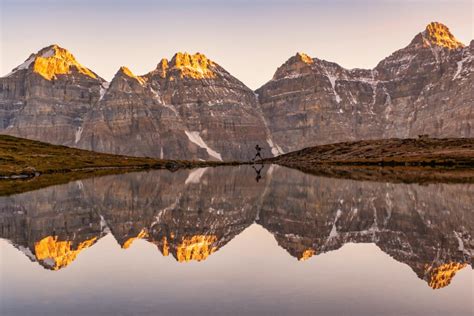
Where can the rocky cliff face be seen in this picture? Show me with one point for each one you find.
(187, 108)
(190, 214)
(47, 97)
(130, 119)
(424, 88)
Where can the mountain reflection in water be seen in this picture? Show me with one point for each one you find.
(191, 214)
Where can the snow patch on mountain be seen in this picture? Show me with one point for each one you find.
(276, 150)
(103, 89)
(332, 80)
(459, 69)
(195, 138)
(78, 135)
(25, 65)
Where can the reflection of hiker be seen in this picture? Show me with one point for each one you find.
(258, 171)
(258, 149)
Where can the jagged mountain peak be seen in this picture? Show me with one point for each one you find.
(304, 58)
(298, 64)
(51, 61)
(162, 67)
(438, 35)
(124, 71)
(195, 66)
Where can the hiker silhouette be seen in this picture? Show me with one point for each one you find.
(258, 154)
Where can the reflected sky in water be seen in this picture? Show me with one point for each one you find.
(216, 241)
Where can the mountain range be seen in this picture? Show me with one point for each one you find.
(189, 107)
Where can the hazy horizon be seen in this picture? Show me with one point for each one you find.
(250, 39)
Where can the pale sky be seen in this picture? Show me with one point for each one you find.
(249, 38)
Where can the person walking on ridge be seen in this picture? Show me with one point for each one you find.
(258, 154)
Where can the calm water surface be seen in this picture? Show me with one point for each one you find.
(217, 241)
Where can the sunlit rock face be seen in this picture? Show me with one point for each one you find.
(187, 108)
(438, 34)
(191, 214)
(131, 119)
(430, 228)
(424, 88)
(47, 97)
(184, 65)
(221, 116)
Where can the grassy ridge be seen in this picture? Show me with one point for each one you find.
(457, 152)
(422, 160)
(19, 156)
(55, 164)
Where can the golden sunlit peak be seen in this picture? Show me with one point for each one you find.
(308, 253)
(438, 34)
(195, 66)
(54, 60)
(127, 72)
(197, 248)
(142, 234)
(442, 275)
(58, 254)
(162, 67)
(304, 58)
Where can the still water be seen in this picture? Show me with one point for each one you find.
(217, 241)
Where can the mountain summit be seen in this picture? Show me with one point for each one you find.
(52, 61)
(437, 35)
(185, 65)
